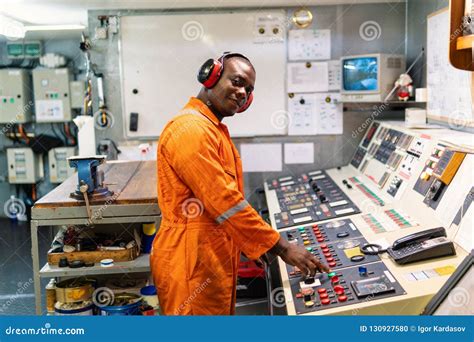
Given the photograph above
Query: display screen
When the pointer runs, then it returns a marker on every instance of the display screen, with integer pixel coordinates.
(360, 74)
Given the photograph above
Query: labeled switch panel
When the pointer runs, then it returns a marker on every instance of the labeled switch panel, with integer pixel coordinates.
(344, 287)
(439, 170)
(16, 105)
(24, 166)
(314, 200)
(52, 95)
(59, 169)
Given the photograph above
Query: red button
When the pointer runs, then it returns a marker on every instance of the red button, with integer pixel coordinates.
(325, 249)
(307, 292)
(322, 290)
(335, 280)
(324, 245)
(325, 301)
(323, 295)
(339, 289)
(315, 226)
(319, 235)
(332, 264)
(299, 295)
(327, 255)
(320, 239)
(342, 298)
(329, 259)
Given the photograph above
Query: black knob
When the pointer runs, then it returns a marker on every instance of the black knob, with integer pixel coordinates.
(344, 181)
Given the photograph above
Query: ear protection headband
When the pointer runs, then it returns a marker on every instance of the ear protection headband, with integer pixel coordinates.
(211, 71)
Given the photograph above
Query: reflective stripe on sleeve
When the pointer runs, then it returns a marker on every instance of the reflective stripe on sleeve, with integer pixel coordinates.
(232, 211)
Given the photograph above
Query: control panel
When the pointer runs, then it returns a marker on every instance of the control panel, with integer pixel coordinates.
(52, 94)
(317, 199)
(24, 166)
(347, 286)
(16, 105)
(406, 182)
(437, 174)
(59, 169)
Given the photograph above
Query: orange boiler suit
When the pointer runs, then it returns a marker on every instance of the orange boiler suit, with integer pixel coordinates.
(206, 221)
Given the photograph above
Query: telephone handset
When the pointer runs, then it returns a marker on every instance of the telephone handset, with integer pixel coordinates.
(431, 243)
(418, 237)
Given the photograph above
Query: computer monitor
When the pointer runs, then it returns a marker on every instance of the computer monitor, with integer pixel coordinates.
(369, 78)
(456, 297)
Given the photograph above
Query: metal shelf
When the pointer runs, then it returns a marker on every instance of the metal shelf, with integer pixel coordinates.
(140, 264)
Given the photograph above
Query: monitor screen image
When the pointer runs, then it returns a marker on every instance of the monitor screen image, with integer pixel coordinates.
(360, 74)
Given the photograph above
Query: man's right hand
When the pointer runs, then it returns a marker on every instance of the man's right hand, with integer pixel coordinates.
(299, 257)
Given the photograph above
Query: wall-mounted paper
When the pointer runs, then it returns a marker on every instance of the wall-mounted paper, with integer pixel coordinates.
(301, 113)
(261, 157)
(328, 113)
(299, 153)
(304, 45)
(315, 114)
(304, 79)
(334, 75)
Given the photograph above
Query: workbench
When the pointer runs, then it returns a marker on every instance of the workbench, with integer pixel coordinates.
(134, 200)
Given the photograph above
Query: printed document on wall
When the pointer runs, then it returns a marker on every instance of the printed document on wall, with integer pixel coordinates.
(306, 45)
(301, 114)
(328, 113)
(261, 157)
(307, 77)
(334, 75)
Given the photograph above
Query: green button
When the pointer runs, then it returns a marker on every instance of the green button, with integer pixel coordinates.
(309, 249)
(301, 229)
(4, 100)
(331, 274)
(12, 100)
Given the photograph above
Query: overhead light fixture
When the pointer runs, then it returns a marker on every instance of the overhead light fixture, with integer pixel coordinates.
(68, 27)
(10, 28)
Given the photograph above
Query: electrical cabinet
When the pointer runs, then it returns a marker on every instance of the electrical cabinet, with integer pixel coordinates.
(59, 169)
(24, 166)
(52, 94)
(16, 104)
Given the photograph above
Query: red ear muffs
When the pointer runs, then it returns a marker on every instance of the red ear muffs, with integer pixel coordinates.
(210, 72)
(246, 104)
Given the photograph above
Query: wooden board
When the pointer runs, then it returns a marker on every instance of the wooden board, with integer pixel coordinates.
(95, 256)
(132, 183)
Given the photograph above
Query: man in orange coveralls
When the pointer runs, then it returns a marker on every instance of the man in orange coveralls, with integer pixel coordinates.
(206, 221)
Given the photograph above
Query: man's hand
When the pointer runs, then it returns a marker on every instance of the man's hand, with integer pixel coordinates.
(299, 257)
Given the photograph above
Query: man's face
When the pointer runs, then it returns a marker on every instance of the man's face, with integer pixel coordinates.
(233, 88)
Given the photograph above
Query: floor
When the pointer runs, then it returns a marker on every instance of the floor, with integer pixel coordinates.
(16, 272)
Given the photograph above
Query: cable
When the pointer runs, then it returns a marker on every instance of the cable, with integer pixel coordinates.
(372, 249)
